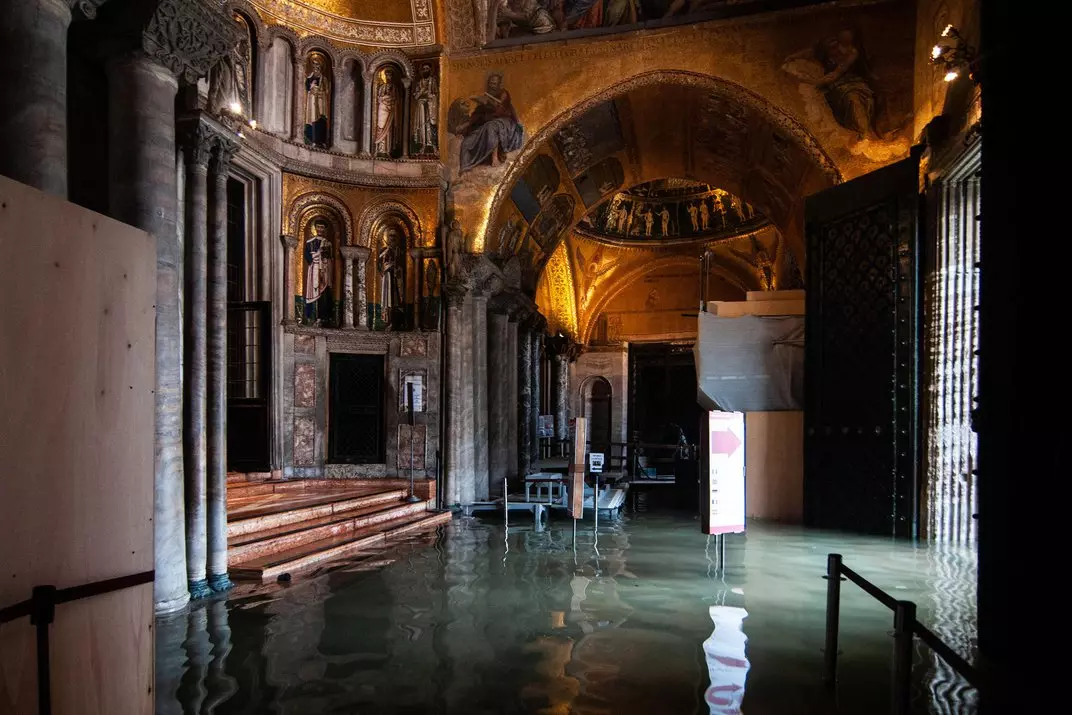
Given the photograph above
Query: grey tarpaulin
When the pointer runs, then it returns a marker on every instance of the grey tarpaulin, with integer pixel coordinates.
(751, 363)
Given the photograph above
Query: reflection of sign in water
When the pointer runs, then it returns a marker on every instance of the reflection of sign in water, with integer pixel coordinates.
(418, 391)
(595, 462)
(727, 665)
(546, 426)
(725, 472)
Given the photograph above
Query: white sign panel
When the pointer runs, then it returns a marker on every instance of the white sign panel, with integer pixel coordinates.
(418, 391)
(726, 472)
(595, 462)
(727, 664)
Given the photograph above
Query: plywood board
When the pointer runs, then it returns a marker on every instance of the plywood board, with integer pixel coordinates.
(76, 445)
(580, 438)
(774, 465)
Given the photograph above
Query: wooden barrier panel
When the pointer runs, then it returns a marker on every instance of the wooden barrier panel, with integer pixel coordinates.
(76, 449)
(580, 438)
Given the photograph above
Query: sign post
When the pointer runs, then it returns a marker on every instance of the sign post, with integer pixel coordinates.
(724, 474)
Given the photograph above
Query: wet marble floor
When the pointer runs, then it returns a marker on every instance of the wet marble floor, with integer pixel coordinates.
(639, 618)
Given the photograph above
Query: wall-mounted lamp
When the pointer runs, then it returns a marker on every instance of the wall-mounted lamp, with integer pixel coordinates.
(953, 55)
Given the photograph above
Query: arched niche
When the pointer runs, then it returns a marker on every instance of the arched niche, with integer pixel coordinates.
(393, 277)
(388, 100)
(351, 102)
(277, 84)
(597, 398)
(232, 80)
(317, 98)
(318, 267)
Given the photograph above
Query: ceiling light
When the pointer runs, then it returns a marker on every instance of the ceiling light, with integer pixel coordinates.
(236, 107)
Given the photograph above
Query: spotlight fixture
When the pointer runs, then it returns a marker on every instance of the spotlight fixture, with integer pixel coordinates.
(252, 123)
(236, 108)
(952, 54)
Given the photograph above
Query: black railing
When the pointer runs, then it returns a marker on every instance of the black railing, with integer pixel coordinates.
(41, 608)
(905, 629)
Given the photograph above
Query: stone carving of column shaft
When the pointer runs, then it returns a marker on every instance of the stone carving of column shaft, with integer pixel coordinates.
(499, 407)
(197, 148)
(142, 193)
(406, 117)
(479, 363)
(217, 367)
(366, 114)
(290, 243)
(349, 254)
(534, 376)
(175, 38)
(362, 287)
(459, 471)
(524, 402)
(510, 415)
(297, 105)
(33, 103)
(561, 396)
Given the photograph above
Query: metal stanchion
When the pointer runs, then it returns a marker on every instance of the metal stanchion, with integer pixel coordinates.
(595, 502)
(904, 621)
(833, 607)
(506, 501)
(412, 498)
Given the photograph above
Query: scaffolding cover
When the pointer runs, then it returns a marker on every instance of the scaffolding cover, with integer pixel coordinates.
(750, 363)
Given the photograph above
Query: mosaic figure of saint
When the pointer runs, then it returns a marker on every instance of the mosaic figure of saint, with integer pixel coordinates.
(388, 113)
(426, 112)
(318, 102)
(705, 216)
(488, 125)
(228, 84)
(392, 265)
(664, 216)
(319, 271)
(693, 217)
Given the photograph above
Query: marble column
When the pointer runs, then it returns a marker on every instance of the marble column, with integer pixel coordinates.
(459, 471)
(349, 255)
(560, 392)
(479, 343)
(197, 147)
(142, 192)
(534, 377)
(499, 406)
(362, 254)
(366, 114)
(524, 399)
(297, 106)
(33, 103)
(510, 415)
(217, 369)
(290, 243)
(405, 116)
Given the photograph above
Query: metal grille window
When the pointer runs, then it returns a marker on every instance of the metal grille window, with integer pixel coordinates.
(953, 341)
(245, 350)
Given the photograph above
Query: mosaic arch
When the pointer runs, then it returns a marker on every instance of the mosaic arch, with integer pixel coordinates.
(726, 116)
(320, 198)
(373, 216)
(633, 277)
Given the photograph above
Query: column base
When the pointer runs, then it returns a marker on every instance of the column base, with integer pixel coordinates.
(220, 583)
(171, 605)
(199, 590)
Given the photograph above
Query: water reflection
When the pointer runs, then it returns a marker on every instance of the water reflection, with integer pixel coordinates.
(643, 617)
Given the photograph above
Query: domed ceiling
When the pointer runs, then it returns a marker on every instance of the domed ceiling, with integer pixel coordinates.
(670, 210)
(377, 23)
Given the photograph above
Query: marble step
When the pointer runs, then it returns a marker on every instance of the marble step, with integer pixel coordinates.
(317, 553)
(281, 538)
(263, 513)
(257, 487)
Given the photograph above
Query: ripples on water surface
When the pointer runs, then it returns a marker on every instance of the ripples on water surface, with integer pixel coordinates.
(643, 619)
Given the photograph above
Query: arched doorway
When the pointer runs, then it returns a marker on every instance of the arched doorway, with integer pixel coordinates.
(599, 411)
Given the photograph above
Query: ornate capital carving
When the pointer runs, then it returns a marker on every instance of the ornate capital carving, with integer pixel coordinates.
(289, 242)
(85, 8)
(455, 290)
(224, 149)
(197, 141)
(355, 253)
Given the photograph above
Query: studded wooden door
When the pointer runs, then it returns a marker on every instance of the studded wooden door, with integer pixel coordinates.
(861, 454)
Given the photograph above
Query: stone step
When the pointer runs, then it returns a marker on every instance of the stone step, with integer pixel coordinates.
(281, 538)
(264, 513)
(247, 477)
(317, 553)
(257, 487)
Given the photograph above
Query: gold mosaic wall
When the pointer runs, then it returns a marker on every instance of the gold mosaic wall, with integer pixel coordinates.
(366, 23)
(545, 82)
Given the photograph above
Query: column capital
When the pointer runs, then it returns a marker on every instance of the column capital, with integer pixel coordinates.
(224, 148)
(188, 37)
(196, 139)
(289, 242)
(355, 253)
(455, 291)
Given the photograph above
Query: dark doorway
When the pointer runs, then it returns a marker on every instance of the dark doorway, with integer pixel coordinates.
(599, 416)
(861, 447)
(664, 419)
(248, 369)
(355, 410)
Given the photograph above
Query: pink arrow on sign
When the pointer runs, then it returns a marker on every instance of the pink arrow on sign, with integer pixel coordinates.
(724, 442)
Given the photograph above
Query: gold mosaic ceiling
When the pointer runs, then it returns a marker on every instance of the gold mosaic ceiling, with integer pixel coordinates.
(374, 23)
(670, 211)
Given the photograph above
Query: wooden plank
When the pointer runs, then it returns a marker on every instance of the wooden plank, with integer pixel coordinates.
(76, 445)
(580, 438)
(774, 465)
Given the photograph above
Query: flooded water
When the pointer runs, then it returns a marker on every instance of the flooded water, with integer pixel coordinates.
(642, 617)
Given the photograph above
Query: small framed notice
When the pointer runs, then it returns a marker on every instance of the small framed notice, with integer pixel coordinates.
(595, 462)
